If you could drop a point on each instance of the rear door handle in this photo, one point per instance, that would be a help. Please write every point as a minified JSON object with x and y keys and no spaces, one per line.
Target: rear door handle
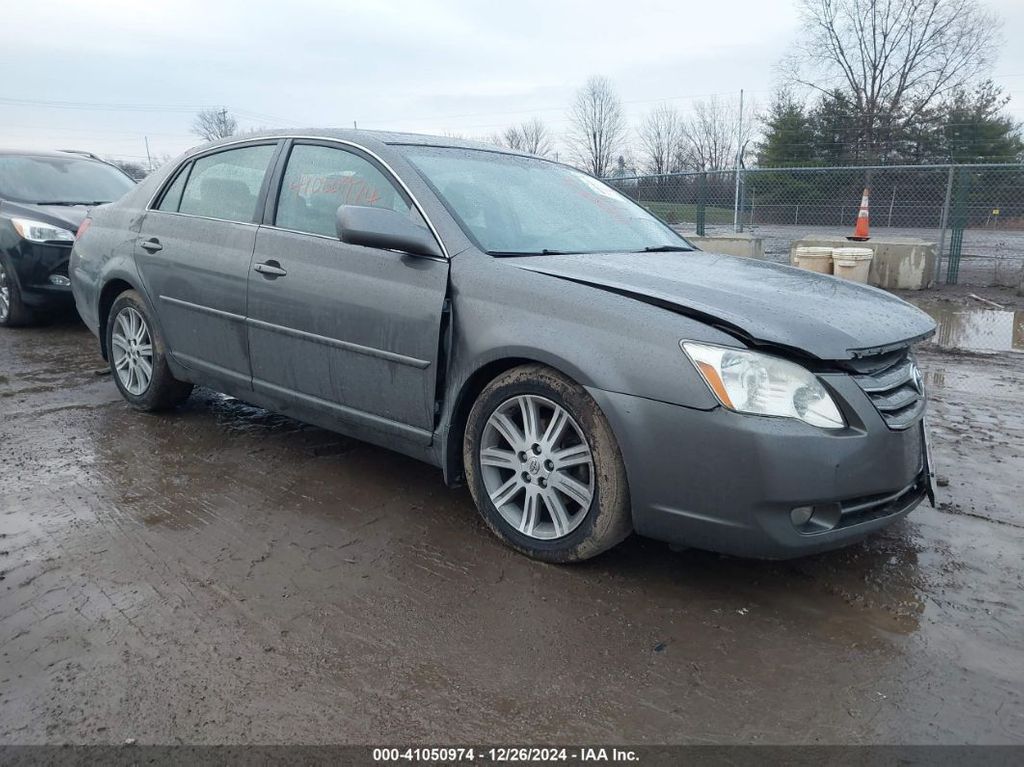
{"x":152,"y":245}
{"x":270,"y":269}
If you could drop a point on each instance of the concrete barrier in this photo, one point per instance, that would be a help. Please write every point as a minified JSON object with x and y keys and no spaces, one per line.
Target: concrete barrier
{"x":899,"y":263}
{"x":739,"y":244}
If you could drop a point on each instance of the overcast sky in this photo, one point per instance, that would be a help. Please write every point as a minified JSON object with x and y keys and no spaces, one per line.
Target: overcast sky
{"x":102,"y":75}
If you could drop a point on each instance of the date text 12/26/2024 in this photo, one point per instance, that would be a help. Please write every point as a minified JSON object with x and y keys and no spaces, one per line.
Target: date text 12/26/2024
{"x":504,"y":754}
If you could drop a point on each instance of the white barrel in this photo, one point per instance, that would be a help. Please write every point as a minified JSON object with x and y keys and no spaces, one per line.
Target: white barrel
{"x":852,"y":264}
{"x":813,"y":258}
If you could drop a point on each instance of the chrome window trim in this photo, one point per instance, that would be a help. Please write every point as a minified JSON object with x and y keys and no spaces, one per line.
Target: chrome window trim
{"x":328,"y":238}
{"x":202,"y":218}
{"x":166,"y":183}
{"x":276,"y":139}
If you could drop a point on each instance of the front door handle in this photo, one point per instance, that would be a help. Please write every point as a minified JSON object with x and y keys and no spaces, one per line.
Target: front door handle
{"x":270,"y":269}
{"x":152,"y":245}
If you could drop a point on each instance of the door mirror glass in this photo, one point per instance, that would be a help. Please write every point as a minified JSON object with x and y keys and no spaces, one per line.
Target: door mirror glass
{"x":383,"y":228}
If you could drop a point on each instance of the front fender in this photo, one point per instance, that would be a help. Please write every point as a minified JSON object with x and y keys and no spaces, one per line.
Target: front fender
{"x":597,"y":337}
{"x":504,"y":316}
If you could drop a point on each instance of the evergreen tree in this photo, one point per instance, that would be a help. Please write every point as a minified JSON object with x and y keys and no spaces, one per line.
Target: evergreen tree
{"x":788,"y":135}
{"x":835,"y":123}
{"x":976,"y":130}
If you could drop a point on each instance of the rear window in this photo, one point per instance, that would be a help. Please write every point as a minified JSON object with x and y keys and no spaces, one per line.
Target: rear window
{"x":227,"y":185}
{"x":60,"y":180}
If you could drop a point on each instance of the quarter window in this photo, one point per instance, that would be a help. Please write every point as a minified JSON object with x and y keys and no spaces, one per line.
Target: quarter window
{"x":319,"y":179}
{"x":172,"y":197}
{"x":227,"y":185}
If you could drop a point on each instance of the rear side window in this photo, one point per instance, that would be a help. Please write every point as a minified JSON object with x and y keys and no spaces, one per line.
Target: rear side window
{"x":227,"y":185}
{"x":318,"y":179}
{"x":172,"y":197}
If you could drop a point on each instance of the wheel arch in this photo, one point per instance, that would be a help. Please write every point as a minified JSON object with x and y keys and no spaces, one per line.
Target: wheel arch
{"x":473,"y":384}
{"x":111,"y":290}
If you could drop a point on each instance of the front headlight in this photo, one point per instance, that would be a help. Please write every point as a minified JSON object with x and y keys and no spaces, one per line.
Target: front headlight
{"x":749,"y":382}
{"x":37,"y":231}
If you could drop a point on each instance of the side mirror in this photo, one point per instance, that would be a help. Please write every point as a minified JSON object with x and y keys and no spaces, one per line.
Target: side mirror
{"x":383,"y":228}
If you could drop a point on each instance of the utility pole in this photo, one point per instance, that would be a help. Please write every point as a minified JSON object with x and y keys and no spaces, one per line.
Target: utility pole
{"x":149,"y":157}
{"x":739,"y":159}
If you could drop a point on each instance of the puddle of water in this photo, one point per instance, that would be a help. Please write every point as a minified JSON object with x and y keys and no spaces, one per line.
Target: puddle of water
{"x":982,"y":330}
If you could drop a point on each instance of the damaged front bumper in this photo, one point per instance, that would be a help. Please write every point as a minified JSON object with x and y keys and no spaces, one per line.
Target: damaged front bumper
{"x":771,"y":488}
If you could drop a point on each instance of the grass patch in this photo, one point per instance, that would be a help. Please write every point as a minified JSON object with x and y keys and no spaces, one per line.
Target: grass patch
{"x":679,"y":213}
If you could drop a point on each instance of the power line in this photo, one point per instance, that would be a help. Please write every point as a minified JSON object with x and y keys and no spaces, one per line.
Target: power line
{"x":96,"y":106}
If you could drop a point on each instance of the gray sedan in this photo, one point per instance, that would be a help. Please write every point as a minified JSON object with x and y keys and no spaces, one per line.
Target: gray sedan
{"x":524,"y":327}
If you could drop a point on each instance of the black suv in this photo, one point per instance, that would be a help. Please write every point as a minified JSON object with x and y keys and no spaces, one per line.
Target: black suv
{"x":44,"y":197}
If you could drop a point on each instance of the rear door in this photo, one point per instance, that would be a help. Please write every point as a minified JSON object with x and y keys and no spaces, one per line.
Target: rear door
{"x":348,"y":331}
{"x":194,"y":251}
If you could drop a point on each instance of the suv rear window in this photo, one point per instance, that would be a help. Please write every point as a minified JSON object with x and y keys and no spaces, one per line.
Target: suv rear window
{"x":64,"y":180}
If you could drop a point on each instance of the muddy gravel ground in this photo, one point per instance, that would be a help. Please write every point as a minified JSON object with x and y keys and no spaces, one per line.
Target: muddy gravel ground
{"x":223,"y":575}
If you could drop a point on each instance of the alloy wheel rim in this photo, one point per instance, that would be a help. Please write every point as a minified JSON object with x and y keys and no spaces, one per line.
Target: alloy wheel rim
{"x":5,"y":294}
{"x":132,"y":350}
{"x":537,"y":467}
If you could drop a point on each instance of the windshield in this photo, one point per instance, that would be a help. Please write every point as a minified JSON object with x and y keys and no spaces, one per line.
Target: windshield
{"x":521,"y":205}
{"x":60,"y":180}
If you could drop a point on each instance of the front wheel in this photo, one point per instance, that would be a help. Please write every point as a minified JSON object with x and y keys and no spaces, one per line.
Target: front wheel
{"x":544,"y":468}
{"x":138,"y":357}
{"x":13,"y":311}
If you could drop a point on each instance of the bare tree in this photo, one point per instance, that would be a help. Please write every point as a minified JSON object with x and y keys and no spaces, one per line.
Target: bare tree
{"x":710,"y":133}
{"x":531,"y":136}
{"x":597,"y":126}
{"x":661,"y":133}
{"x":213,"y":124}
{"x":134,"y":169}
{"x":536,"y":138}
{"x":894,"y":58}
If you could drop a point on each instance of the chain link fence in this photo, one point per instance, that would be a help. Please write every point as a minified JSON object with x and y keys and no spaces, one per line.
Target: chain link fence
{"x":974,"y":213}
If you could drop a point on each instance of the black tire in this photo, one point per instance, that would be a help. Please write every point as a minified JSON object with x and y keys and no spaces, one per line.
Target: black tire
{"x":607,"y":521}
{"x":16,"y":314}
{"x":164,"y":390}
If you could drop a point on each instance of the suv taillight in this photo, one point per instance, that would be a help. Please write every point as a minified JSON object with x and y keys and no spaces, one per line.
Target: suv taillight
{"x":83,"y":228}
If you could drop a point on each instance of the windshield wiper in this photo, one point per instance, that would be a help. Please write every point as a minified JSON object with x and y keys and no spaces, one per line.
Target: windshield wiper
{"x":544,"y":252}
{"x":71,"y":203}
{"x":665,"y":249}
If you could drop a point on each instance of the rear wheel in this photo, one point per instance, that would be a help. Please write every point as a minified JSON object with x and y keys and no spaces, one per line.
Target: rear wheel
{"x":13,"y":311}
{"x":138,"y":357}
{"x":544,"y":468}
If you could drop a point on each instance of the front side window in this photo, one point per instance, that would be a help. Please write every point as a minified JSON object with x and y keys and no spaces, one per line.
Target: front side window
{"x":319,"y":179}
{"x":520,"y":205}
{"x":60,"y":180}
{"x":227,"y":185}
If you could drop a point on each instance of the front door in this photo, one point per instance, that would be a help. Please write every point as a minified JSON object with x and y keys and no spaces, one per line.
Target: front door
{"x":194,"y":252}
{"x":343,"y":329}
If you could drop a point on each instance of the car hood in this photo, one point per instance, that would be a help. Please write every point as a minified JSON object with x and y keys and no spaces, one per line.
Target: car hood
{"x":65,"y":216}
{"x":760,"y":302}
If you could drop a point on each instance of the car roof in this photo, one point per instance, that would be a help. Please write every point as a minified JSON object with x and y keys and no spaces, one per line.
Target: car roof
{"x":64,"y":153}
{"x":360,"y":136}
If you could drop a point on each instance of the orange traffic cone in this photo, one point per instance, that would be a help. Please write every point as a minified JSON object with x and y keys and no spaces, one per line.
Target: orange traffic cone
{"x":860,"y":231}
